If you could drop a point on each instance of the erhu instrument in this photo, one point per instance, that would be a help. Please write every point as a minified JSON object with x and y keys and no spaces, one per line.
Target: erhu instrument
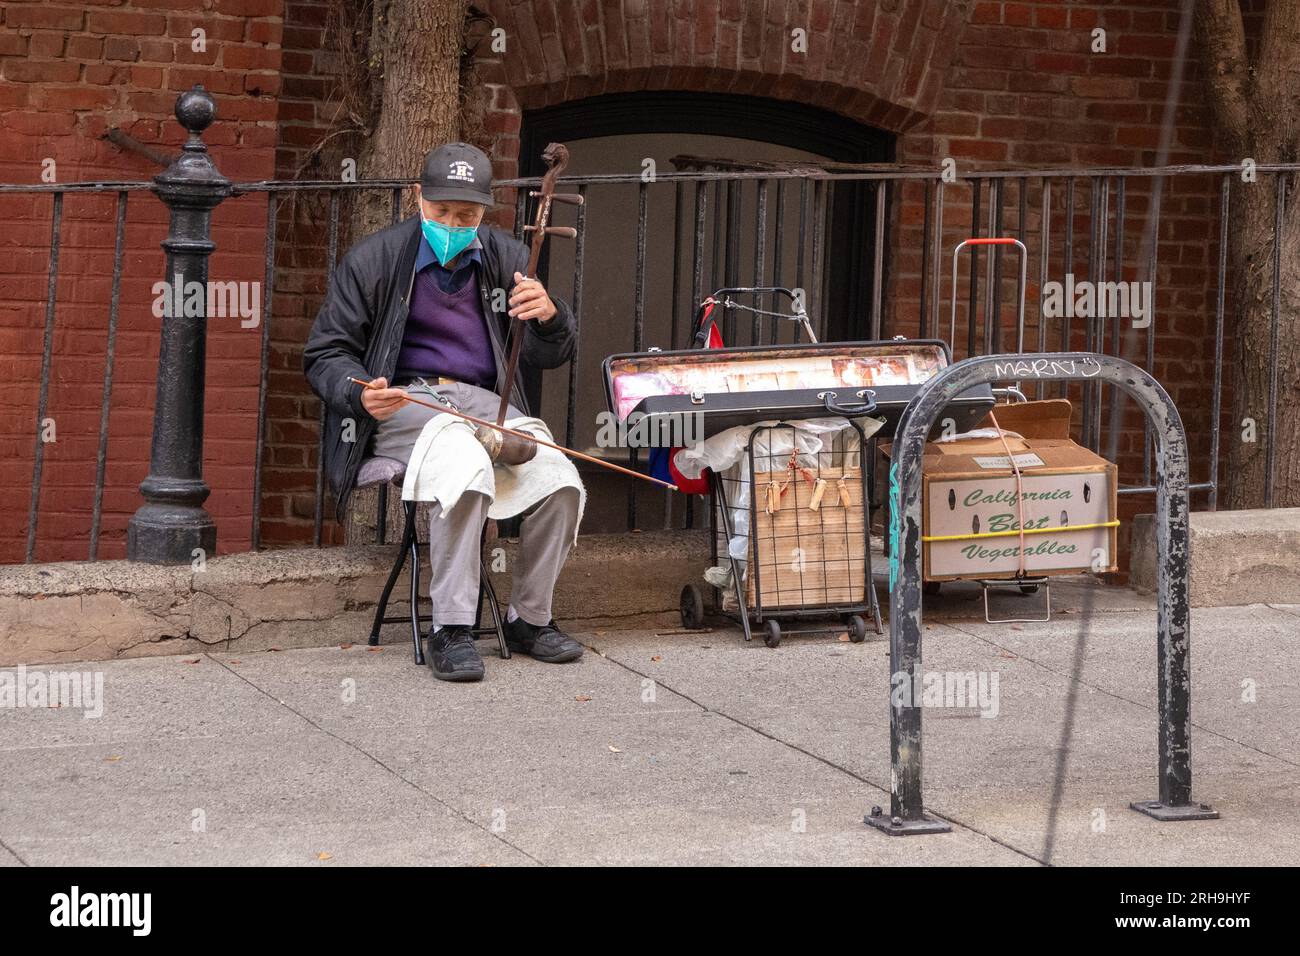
{"x":504,"y":446}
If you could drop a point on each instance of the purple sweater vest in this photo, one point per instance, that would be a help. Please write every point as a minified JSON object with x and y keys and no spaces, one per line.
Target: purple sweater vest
{"x":445,"y":334}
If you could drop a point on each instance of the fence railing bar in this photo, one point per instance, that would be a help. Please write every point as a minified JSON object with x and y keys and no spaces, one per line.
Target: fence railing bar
{"x":697,"y":286}
{"x":94,"y":186}
{"x":778,"y":251}
{"x":1099,"y":332}
{"x":1153,"y":265}
{"x":935,"y":281}
{"x":579,"y":259}
{"x":110,"y":353}
{"x":697,"y":253}
{"x":381,"y":506}
{"x":638,"y":282}
{"x":638,"y":329}
{"x":715,"y":256}
{"x":1044,"y":255}
{"x":976,"y":186}
{"x":1115,"y":410}
{"x":878,"y":172}
{"x":330,"y":261}
{"x":818,"y":253}
{"x":831,"y":172}
{"x":1216,"y":397}
{"x":1068,"y":252}
{"x":731,"y":249}
{"x":993,"y":317}
{"x":760,"y":253}
{"x":1148,"y":489}
{"x":1270,"y":450}
{"x":268,"y":284}
{"x":674,"y":310}
{"x":926,"y":232}
{"x":878,"y":260}
{"x":800,"y":267}
{"x":1022,"y":233}
{"x":1090,"y":325}
{"x":47,"y":352}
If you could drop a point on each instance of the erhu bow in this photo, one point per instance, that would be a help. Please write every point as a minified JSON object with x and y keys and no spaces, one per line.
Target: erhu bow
{"x":502,"y":446}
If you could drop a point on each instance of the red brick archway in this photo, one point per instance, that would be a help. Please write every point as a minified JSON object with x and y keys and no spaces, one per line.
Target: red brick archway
{"x":881,"y":64}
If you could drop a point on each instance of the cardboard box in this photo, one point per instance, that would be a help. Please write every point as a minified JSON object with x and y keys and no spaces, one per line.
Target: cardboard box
{"x":1049,"y":418}
{"x":968,"y":489}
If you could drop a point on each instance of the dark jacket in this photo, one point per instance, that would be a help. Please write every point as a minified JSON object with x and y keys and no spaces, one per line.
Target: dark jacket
{"x":358,"y":333}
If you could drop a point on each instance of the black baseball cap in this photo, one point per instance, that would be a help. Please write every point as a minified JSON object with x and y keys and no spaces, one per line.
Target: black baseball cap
{"x":457,"y":171}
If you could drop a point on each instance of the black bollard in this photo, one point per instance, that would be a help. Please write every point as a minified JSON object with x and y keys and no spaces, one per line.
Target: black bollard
{"x":172,"y":523}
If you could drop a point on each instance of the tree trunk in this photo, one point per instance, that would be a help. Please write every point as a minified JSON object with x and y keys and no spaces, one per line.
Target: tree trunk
{"x":1257,"y":116}
{"x":415,"y":48}
{"x":1251,"y":251}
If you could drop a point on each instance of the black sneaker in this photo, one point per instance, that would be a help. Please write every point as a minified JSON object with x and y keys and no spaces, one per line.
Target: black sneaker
{"x":452,"y":655}
{"x":546,"y":643}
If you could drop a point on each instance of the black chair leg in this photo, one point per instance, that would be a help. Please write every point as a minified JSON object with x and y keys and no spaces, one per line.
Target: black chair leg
{"x":408,"y":534}
{"x":482,"y":587}
{"x":485,"y":586}
{"x":415,"y":587}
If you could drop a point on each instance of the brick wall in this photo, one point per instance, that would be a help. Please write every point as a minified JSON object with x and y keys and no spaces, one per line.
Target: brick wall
{"x":990,"y":84}
{"x":68,"y":73}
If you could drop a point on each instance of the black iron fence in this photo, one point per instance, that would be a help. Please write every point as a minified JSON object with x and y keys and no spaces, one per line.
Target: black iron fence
{"x":868,"y":245}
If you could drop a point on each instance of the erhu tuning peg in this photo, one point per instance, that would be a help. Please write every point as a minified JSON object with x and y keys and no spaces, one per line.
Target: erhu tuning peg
{"x":566,"y":232}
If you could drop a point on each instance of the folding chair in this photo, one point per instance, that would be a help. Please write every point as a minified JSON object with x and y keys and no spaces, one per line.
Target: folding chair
{"x":376,"y":471}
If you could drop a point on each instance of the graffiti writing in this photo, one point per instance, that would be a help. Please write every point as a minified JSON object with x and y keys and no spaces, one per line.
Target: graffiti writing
{"x":1048,"y":368}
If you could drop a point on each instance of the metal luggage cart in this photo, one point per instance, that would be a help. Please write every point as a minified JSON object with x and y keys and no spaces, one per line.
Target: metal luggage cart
{"x":799,"y":585}
{"x":807,"y":538}
{"x":1028,"y":584}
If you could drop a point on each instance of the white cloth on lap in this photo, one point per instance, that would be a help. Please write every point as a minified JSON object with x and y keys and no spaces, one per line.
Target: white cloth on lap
{"x":448,"y":461}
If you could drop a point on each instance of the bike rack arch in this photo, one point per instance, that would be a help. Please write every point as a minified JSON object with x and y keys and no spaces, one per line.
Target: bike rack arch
{"x":1172,"y":544}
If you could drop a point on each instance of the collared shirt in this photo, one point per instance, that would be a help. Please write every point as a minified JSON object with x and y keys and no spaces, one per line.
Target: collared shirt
{"x":445,"y":333}
{"x":449,"y":280}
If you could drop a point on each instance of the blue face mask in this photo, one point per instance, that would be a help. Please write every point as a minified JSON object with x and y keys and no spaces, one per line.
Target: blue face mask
{"x":447,"y":242}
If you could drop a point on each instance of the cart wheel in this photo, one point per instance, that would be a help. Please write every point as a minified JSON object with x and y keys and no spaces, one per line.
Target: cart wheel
{"x":773,"y":638}
{"x":1029,"y":589}
{"x":931,"y":587}
{"x":857,"y":629}
{"x":692,"y":607}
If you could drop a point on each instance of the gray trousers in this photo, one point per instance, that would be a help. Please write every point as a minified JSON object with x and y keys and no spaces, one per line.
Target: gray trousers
{"x":545,"y":535}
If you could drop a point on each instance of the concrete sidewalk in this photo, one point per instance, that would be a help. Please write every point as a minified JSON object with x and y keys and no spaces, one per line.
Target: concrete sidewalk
{"x":667,"y":748}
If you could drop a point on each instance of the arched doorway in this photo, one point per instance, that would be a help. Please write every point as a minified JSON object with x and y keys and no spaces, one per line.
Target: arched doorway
{"x":699,"y":236}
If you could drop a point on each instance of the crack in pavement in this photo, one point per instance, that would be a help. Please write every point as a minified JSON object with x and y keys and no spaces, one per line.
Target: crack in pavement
{"x":947,"y":817}
{"x":361,"y":750}
{"x":12,"y":852}
{"x":1292,"y":610}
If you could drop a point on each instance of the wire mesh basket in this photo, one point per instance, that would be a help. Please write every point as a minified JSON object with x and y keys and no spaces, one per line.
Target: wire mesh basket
{"x":792,"y":517}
